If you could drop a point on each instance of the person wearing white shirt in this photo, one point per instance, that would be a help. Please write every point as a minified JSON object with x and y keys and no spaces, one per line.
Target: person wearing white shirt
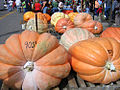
{"x":18,"y":5}
{"x":10,"y":3}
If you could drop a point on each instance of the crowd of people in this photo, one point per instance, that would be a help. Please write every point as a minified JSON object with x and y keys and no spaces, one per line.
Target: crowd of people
{"x":51,"y":6}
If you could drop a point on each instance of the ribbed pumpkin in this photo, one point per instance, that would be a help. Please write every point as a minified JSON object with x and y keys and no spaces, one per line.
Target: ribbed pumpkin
{"x":28,"y":15}
{"x":112,"y":32}
{"x":73,"y":36}
{"x":33,"y":61}
{"x":56,"y":16}
{"x":96,"y":60}
{"x":63,"y":25}
{"x":92,"y":26}
{"x":81,"y":18}
{"x":40,"y":28}
{"x":72,"y":15}
{"x":48,"y":17}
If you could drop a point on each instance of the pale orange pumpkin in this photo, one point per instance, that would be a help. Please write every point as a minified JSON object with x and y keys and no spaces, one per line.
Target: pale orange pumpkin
{"x":113,"y":32}
{"x":48,"y":17}
{"x":81,"y":18}
{"x":33,"y":61}
{"x":96,"y":60}
{"x":92,"y":26}
{"x":28,"y":15}
{"x":63,"y":25}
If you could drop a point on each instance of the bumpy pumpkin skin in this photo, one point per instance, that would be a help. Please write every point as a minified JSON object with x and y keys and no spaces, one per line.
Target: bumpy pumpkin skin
{"x":63,"y":25}
{"x":56,"y":16}
{"x":33,"y":61}
{"x":48,"y":17}
{"x":28,"y":15}
{"x":113,"y":32}
{"x":81,"y":18}
{"x":31,"y":25}
{"x":73,"y":36}
{"x":92,"y":26}
{"x":96,"y":60}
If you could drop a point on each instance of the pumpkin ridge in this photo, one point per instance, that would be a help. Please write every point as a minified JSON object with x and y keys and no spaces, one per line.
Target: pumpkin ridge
{"x":11,"y":54}
{"x":47,"y":74}
{"x":117,"y":35}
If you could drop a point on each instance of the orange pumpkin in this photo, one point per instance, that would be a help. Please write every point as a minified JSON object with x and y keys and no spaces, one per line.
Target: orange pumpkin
{"x":93,"y":26}
{"x":81,"y":18}
{"x":112,"y":32}
{"x":28,"y":15}
{"x":72,"y":15}
{"x":33,"y":61}
{"x":47,"y":16}
{"x":96,"y":60}
{"x":63,"y":25}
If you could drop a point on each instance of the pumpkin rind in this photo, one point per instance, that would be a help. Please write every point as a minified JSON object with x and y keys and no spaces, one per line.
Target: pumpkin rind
{"x":93,"y":26}
{"x":113,"y":32}
{"x":74,"y":35}
{"x":63,"y":25}
{"x":81,"y":18}
{"x":40,"y":50}
{"x":96,"y":60}
{"x":47,"y":16}
{"x":72,"y":15}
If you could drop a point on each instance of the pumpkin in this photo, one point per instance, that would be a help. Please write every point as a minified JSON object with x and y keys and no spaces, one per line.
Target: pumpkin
{"x":33,"y":61}
{"x":113,"y":32}
{"x":93,"y":26}
{"x":28,"y":15}
{"x":67,"y":11}
{"x":96,"y":60}
{"x":40,"y":27}
{"x":72,"y":15}
{"x":56,"y":16}
{"x":48,"y":17}
{"x":63,"y":25}
{"x":73,"y":36}
{"x":81,"y":18}
{"x":40,"y":16}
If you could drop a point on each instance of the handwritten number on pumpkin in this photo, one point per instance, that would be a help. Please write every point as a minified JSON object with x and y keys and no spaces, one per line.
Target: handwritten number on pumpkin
{"x":30,"y":44}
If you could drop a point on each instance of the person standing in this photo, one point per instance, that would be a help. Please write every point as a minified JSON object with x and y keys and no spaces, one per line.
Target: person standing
{"x":99,"y":11}
{"x":96,"y":7}
{"x":87,"y":6}
{"x":37,"y":6}
{"x":18,"y":5}
{"x":10,"y":3}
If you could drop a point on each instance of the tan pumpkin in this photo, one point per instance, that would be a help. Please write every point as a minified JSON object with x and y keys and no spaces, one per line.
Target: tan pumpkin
{"x":92,"y":26}
{"x":33,"y":61}
{"x":81,"y":18}
{"x":73,"y":36}
{"x":72,"y":15}
{"x":113,"y":32}
{"x":96,"y":60}
{"x":56,"y":16}
{"x":63,"y":25}
{"x":40,"y":27}
{"x":28,"y":15}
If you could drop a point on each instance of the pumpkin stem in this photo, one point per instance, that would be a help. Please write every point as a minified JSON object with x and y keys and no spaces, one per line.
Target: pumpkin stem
{"x":64,"y":27}
{"x":110,"y":66}
{"x":95,"y":27}
{"x":29,"y":66}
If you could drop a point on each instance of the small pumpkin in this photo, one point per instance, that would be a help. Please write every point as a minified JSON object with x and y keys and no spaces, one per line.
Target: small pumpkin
{"x":47,"y":16}
{"x":33,"y":61}
{"x":72,"y":15}
{"x":81,"y":18}
{"x":56,"y":16}
{"x":28,"y":15}
{"x":63,"y":25}
{"x":113,"y":32}
{"x":96,"y":60}
{"x":92,"y":26}
{"x":73,"y":36}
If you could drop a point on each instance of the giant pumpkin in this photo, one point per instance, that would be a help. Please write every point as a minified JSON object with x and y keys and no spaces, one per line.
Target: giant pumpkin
{"x":96,"y":60}
{"x":81,"y":18}
{"x":112,"y":32}
{"x":92,"y":26}
{"x":33,"y":61}
{"x":72,"y":15}
{"x":73,"y":36}
{"x":63,"y":25}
